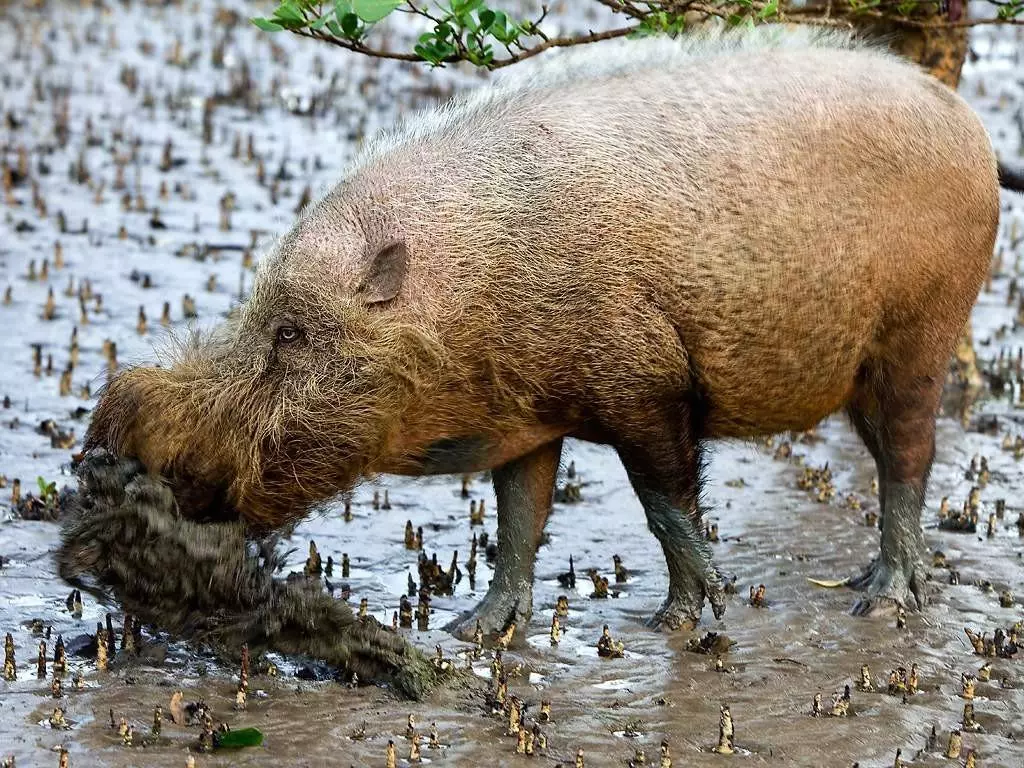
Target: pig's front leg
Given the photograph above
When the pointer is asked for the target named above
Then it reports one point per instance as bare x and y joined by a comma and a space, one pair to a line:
524, 489
666, 479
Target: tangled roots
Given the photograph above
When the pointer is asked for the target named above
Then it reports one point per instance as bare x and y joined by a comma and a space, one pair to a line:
200, 581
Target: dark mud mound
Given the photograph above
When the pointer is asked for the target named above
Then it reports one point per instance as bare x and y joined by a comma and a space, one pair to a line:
207, 583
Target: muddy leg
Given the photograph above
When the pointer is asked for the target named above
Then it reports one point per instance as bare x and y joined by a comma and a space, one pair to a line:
667, 484
524, 489
865, 414
907, 431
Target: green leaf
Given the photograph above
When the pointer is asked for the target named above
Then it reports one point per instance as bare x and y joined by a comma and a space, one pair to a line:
47, 491
486, 18
428, 53
466, 23
503, 30
372, 11
335, 28
479, 52
289, 14
769, 10
341, 8
1010, 11
243, 737
266, 25
434, 50
350, 24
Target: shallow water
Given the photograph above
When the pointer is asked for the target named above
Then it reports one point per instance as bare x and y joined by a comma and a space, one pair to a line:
803, 642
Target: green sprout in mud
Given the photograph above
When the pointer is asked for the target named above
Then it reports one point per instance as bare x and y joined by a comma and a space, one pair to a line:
474, 32
47, 491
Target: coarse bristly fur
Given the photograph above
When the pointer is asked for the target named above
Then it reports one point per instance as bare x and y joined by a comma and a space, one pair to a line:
648, 244
613, 58
199, 582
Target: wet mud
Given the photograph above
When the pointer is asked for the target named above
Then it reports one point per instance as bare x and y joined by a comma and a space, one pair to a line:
126, 141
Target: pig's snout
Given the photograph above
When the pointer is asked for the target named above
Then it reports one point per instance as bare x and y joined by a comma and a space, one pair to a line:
145, 415
114, 417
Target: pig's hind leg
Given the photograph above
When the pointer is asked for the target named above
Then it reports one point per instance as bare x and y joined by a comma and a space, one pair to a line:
664, 465
865, 415
524, 489
894, 412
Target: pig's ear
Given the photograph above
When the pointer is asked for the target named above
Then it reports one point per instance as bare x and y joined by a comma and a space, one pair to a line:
385, 275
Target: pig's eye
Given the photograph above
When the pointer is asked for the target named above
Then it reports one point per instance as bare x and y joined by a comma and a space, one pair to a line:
288, 334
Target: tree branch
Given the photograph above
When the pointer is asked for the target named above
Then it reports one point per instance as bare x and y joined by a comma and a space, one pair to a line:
526, 53
458, 38
620, 7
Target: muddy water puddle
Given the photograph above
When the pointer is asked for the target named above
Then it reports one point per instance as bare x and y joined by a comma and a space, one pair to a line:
802, 642
162, 198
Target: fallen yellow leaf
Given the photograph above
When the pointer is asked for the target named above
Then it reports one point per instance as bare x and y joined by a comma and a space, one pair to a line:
830, 583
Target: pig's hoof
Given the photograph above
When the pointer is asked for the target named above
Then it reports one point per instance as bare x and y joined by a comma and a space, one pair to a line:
675, 614
889, 588
683, 607
494, 616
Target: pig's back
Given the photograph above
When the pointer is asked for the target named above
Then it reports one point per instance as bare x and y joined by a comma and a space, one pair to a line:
783, 208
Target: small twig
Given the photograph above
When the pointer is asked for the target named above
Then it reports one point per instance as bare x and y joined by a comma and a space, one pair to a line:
565, 42
930, 23
534, 26
707, 10
422, 12
356, 47
620, 7
933, 24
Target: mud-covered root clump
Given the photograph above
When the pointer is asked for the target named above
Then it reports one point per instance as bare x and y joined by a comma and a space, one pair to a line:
206, 583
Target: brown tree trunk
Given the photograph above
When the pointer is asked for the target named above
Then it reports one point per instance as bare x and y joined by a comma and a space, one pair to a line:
940, 51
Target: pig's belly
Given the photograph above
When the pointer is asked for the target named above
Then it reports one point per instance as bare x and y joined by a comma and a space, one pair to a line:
766, 371
748, 412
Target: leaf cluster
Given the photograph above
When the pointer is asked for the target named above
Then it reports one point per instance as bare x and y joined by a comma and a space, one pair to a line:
476, 32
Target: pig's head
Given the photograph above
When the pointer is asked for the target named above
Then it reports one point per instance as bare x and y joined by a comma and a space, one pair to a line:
296, 396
